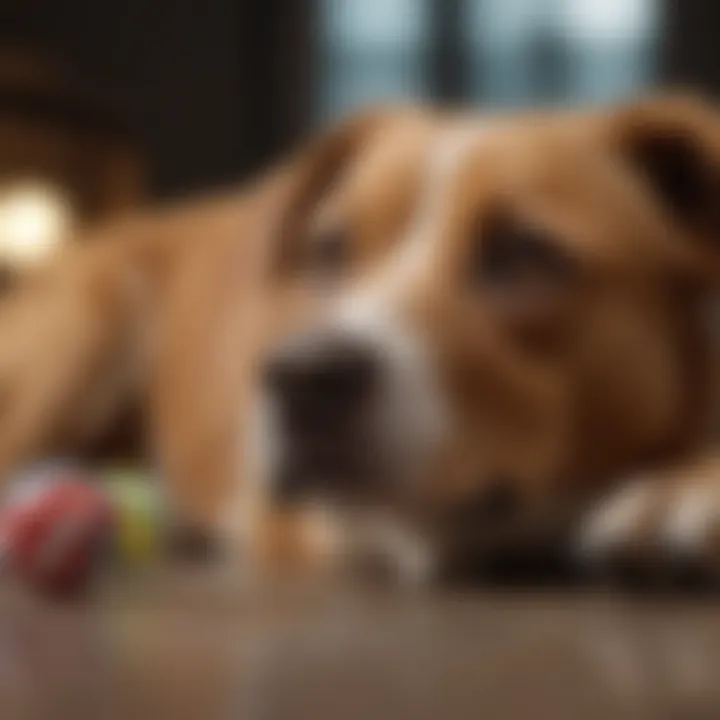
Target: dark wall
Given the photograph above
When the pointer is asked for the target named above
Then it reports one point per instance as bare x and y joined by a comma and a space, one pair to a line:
212, 88
692, 44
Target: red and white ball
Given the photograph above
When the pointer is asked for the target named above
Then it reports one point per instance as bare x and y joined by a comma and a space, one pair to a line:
54, 526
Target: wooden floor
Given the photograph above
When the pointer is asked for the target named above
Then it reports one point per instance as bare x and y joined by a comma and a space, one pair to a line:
190, 645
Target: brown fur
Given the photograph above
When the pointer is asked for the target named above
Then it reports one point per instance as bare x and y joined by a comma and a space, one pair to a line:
175, 310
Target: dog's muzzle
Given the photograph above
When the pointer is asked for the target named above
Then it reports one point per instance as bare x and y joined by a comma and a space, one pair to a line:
324, 386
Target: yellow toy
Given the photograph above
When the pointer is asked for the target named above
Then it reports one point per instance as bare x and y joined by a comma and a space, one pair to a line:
136, 501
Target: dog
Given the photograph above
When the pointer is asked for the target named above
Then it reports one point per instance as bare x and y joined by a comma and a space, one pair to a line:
428, 331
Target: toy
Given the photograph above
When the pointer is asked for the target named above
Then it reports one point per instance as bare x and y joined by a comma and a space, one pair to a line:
137, 505
61, 524
53, 529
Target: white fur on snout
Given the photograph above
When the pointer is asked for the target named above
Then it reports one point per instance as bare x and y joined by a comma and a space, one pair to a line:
413, 417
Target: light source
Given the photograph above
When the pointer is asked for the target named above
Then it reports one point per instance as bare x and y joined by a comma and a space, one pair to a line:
35, 218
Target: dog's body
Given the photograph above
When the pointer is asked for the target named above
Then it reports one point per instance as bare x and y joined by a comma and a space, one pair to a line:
503, 314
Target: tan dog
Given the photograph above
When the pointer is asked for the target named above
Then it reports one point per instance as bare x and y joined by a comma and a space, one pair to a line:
420, 315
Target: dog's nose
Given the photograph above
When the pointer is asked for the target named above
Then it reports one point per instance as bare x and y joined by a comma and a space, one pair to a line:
322, 378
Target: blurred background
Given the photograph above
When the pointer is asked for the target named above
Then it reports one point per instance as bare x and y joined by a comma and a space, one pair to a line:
108, 105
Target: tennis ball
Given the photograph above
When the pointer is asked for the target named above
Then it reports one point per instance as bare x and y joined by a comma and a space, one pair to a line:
137, 506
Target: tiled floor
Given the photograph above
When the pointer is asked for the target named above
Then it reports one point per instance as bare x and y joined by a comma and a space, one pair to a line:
199, 648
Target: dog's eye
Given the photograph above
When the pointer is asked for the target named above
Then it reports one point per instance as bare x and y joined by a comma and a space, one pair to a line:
509, 253
328, 254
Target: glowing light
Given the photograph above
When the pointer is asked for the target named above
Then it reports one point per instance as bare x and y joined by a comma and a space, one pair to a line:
34, 220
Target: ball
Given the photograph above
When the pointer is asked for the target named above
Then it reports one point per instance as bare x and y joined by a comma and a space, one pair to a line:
139, 521
54, 527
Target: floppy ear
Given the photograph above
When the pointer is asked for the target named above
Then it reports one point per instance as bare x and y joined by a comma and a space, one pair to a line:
673, 143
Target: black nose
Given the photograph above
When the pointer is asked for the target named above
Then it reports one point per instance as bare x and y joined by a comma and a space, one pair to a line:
322, 378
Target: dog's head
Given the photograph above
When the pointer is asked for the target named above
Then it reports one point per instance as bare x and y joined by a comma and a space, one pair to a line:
507, 311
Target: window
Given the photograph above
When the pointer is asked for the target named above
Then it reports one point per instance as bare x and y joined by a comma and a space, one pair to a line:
524, 51
512, 52
372, 50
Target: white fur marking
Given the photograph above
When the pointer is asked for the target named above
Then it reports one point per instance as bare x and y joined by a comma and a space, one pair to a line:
692, 519
411, 557
415, 253
615, 520
415, 418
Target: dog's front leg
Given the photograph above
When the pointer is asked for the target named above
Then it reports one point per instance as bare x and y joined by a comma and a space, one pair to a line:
664, 523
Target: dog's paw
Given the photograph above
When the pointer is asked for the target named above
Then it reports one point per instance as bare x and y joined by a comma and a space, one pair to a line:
395, 552
656, 532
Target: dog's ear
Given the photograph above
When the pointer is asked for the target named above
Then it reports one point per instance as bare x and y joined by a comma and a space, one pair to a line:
312, 172
673, 143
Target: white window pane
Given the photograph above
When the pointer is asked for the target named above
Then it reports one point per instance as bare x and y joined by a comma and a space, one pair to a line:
371, 50
354, 81
505, 22
612, 20
523, 52
610, 46
372, 23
